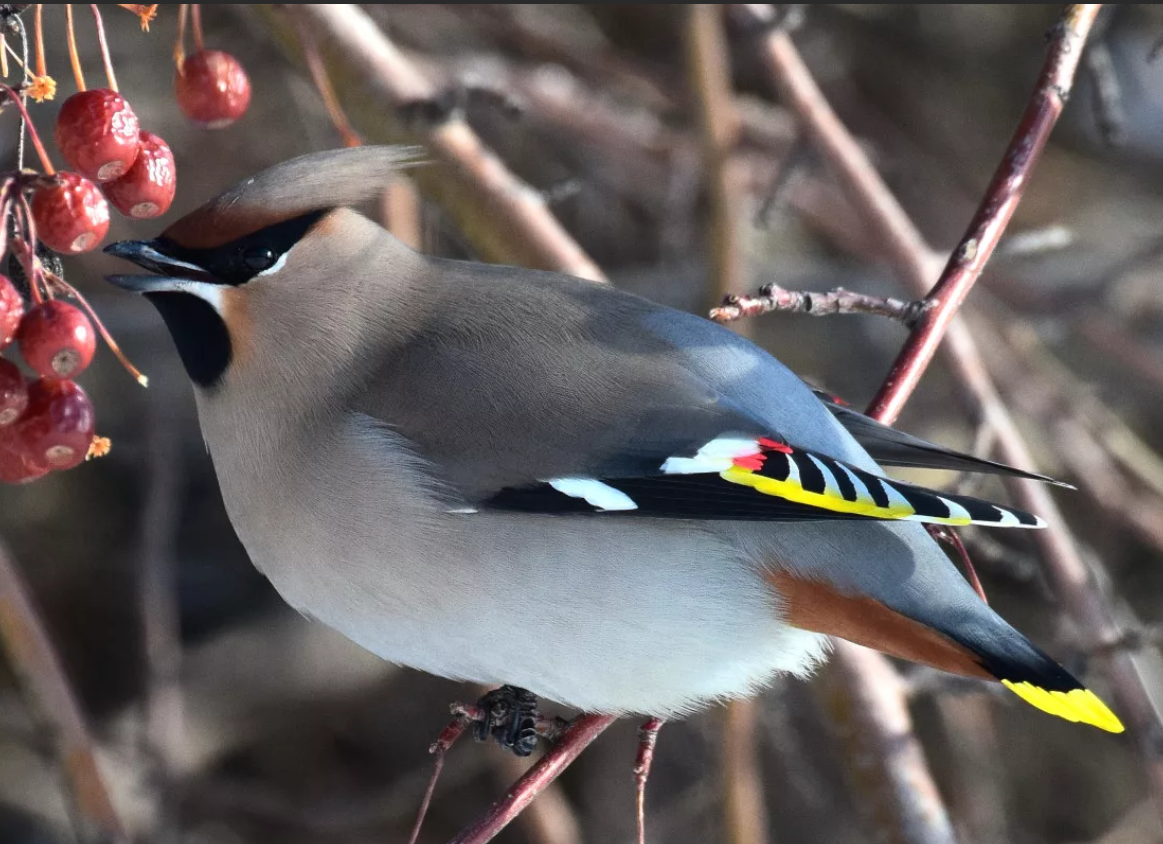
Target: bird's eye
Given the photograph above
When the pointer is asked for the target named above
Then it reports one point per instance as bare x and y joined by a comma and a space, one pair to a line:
259, 258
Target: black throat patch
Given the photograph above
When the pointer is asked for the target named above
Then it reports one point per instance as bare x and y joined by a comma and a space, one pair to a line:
201, 336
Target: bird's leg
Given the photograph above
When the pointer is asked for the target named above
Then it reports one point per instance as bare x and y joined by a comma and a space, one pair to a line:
510, 715
647, 738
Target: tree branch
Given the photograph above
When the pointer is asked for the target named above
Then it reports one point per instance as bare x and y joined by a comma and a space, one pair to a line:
32, 657
709, 68
580, 734
915, 261
772, 297
504, 218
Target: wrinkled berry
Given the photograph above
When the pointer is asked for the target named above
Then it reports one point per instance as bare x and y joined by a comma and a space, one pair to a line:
212, 88
71, 214
97, 132
147, 189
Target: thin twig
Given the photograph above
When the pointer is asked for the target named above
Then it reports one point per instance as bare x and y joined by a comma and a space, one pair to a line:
323, 85
31, 654
579, 736
505, 219
161, 631
744, 813
913, 260
997, 206
772, 297
709, 68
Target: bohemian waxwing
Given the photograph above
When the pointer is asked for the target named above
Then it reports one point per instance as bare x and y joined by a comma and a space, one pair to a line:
517, 477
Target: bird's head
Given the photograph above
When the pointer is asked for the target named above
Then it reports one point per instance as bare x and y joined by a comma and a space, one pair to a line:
251, 268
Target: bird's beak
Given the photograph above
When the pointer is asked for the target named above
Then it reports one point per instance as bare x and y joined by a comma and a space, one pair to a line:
166, 271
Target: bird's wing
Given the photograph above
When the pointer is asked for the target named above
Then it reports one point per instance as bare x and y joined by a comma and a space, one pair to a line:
891, 447
550, 395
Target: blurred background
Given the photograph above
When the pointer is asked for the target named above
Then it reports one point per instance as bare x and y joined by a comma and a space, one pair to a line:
277, 729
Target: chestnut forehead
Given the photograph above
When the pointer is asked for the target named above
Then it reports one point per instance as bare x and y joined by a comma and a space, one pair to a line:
225, 222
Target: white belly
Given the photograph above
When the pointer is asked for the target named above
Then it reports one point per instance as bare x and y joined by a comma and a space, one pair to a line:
601, 613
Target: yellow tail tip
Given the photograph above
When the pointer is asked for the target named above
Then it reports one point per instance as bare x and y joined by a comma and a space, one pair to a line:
1079, 705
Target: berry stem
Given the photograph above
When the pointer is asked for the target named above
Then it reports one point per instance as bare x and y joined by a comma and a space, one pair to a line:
318, 71
25, 246
104, 47
16, 58
44, 160
74, 59
38, 27
180, 40
105, 335
196, 20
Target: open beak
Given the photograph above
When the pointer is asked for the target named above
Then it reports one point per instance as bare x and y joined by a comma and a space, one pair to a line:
165, 271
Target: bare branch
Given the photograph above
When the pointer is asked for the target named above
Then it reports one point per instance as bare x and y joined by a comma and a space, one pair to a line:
772, 297
995, 210
504, 218
710, 74
914, 260
579, 736
35, 662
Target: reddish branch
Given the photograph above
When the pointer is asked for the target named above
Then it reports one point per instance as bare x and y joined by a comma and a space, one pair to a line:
913, 258
994, 213
577, 738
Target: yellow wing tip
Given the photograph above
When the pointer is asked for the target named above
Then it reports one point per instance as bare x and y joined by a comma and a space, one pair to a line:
1079, 705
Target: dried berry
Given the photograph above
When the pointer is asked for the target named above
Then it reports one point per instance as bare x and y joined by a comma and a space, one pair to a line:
57, 340
97, 134
57, 428
212, 88
13, 393
71, 214
147, 189
11, 311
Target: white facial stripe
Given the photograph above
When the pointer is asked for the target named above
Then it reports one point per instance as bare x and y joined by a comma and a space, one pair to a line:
595, 493
211, 293
276, 266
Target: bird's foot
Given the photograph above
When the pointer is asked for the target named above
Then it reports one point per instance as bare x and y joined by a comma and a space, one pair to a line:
510, 716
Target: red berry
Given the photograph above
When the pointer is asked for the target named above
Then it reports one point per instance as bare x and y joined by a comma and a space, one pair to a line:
212, 88
57, 340
147, 190
13, 393
97, 134
11, 310
71, 214
16, 464
57, 428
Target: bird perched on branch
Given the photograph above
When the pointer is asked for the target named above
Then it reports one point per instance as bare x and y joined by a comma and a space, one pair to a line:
518, 477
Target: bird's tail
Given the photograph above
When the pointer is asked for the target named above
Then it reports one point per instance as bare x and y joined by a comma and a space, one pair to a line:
1037, 679
963, 637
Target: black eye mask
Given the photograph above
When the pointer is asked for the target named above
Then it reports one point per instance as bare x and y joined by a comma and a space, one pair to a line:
239, 261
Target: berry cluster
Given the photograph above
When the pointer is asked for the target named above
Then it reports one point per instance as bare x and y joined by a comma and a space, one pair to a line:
46, 422
46, 419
